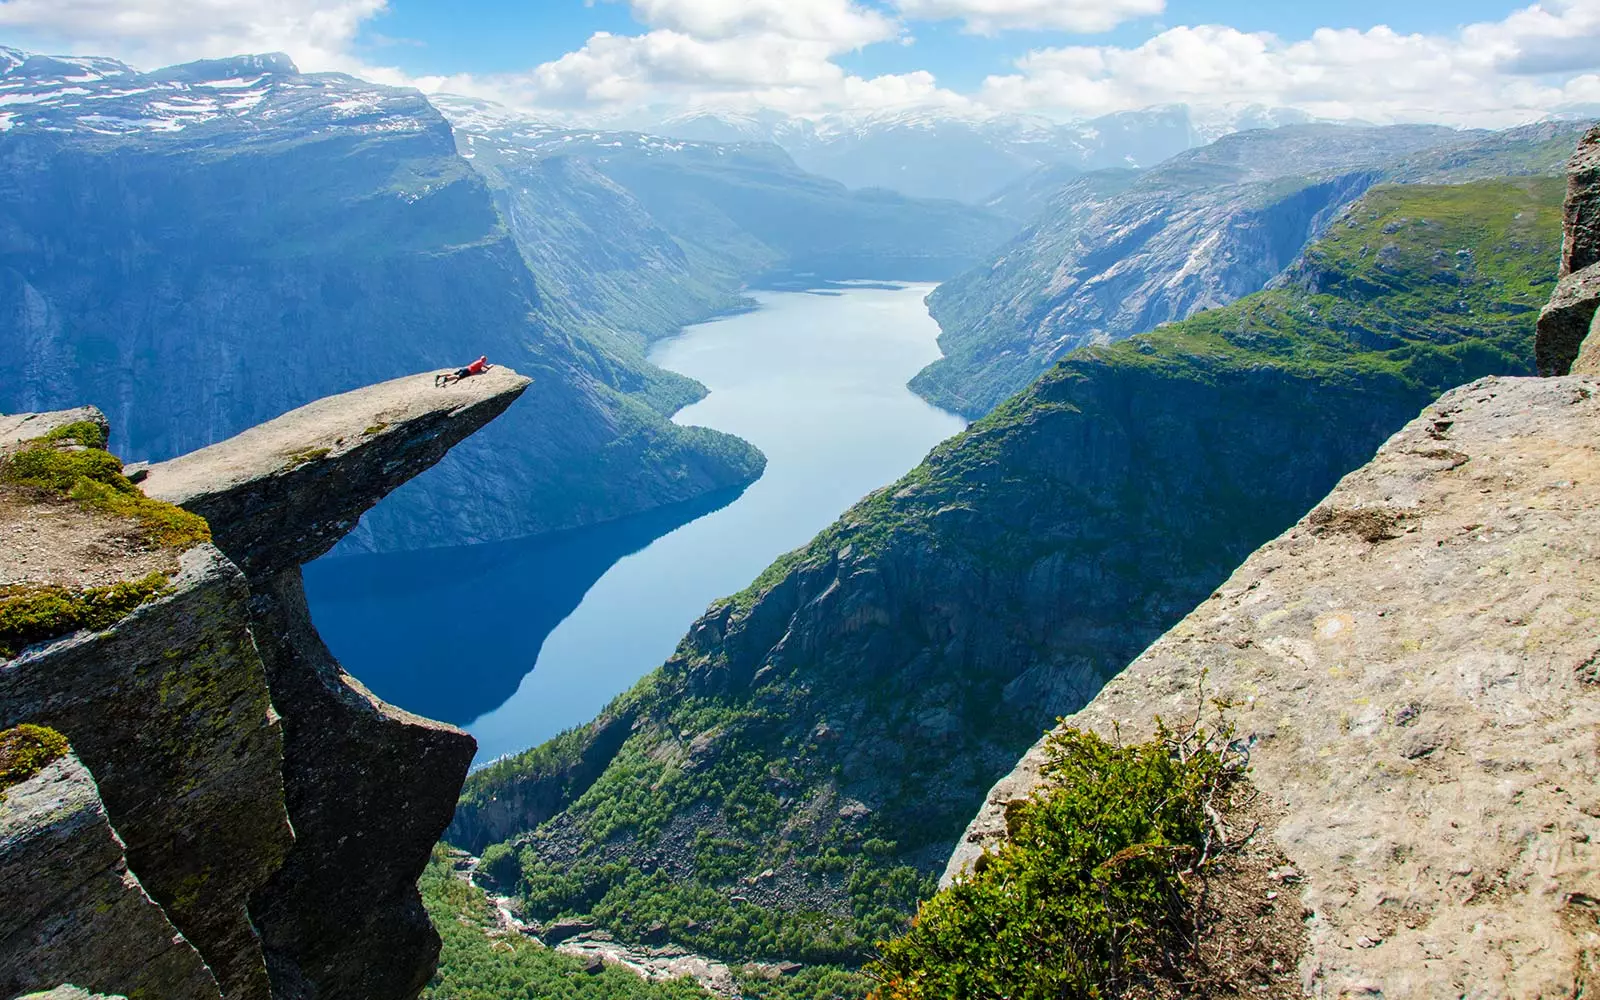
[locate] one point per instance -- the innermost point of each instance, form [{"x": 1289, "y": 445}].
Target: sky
[{"x": 1462, "y": 62}]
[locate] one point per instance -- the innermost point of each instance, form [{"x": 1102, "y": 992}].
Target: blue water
[{"x": 561, "y": 625}]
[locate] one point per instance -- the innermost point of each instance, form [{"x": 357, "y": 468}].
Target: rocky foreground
[
  {"x": 1418, "y": 665},
  {"x": 237, "y": 817}
]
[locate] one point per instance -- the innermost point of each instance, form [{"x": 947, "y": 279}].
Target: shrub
[
  {"x": 33, "y": 614},
  {"x": 1088, "y": 892}
]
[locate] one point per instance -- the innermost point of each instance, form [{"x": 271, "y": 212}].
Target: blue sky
[
  {"x": 448, "y": 37},
  {"x": 1467, "y": 62}
]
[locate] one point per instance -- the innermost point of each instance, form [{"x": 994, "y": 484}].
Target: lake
[{"x": 564, "y": 623}]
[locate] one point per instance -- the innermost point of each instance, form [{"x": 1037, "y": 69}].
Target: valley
[
  {"x": 827, "y": 459},
  {"x": 518, "y": 641}
]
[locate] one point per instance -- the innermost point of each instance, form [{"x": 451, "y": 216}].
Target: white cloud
[
  {"x": 1496, "y": 73},
  {"x": 151, "y": 33},
  {"x": 726, "y": 53},
  {"x": 841, "y": 24},
  {"x": 990, "y": 16},
  {"x": 787, "y": 55}
]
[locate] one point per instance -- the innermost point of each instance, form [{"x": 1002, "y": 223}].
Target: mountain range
[
  {"x": 943, "y": 154},
  {"x": 202, "y": 247},
  {"x": 1115, "y": 253}
]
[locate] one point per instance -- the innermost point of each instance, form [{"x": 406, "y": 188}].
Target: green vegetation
[
  {"x": 474, "y": 966},
  {"x": 838, "y": 721},
  {"x": 85, "y": 433},
  {"x": 93, "y": 477},
  {"x": 1093, "y": 888},
  {"x": 306, "y": 456},
  {"x": 1085, "y": 271},
  {"x": 25, "y": 750},
  {"x": 34, "y": 614}
]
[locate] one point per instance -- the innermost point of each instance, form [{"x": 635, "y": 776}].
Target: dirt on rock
[{"x": 47, "y": 540}]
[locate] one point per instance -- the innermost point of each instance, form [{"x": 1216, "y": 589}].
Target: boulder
[
  {"x": 70, "y": 910},
  {"x": 369, "y": 787},
  {"x": 1581, "y": 243},
  {"x": 1564, "y": 323}
]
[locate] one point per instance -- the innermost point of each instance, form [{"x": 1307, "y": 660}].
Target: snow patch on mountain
[{"x": 103, "y": 97}]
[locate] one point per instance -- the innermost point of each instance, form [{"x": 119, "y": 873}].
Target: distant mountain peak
[
  {"x": 232, "y": 68},
  {"x": 92, "y": 97}
]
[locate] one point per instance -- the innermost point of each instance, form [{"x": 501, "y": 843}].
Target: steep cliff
[
  {"x": 198, "y": 249},
  {"x": 1413, "y": 666},
  {"x": 270, "y": 809},
  {"x": 790, "y": 781},
  {"x": 1115, "y": 255}
]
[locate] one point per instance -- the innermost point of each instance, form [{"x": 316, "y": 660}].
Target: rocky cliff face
[
  {"x": 1115, "y": 255},
  {"x": 274, "y": 812},
  {"x": 817, "y": 742},
  {"x": 199, "y": 249},
  {"x": 1414, "y": 665},
  {"x": 1566, "y": 339}
]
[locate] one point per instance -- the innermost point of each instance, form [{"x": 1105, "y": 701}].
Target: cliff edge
[
  {"x": 1416, "y": 664},
  {"x": 273, "y": 812}
]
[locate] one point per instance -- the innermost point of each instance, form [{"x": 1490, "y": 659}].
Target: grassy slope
[{"x": 798, "y": 699}]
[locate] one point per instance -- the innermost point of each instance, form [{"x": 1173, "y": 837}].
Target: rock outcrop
[
  {"x": 275, "y": 811},
  {"x": 169, "y": 709},
  {"x": 1566, "y": 323},
  {"x": 77, "y": 913},
  {"x": 1415, "y": 662}
]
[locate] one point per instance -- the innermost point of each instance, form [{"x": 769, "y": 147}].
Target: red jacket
[{"x": 479, "y": 366}]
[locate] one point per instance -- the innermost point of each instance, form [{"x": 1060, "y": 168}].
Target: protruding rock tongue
[
  {"x": 369, "y": 787},
  {"x": 283, "y": 493}
]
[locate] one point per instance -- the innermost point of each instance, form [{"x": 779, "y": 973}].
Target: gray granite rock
[
  {"x": 170, "y": 710},
  {"x": 69, "y": 908},
  {"x": 1564, "y": 324}
]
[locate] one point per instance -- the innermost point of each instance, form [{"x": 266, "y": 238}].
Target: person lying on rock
[{"x": 478, "y": 367}]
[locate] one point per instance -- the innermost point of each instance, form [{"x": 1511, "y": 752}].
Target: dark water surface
[{"x": 519, "y": 640}]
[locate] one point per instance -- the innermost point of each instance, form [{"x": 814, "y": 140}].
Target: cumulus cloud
[
  {"x": 1496, "y": 73},
  {"x": 788, "y": 55},
  {"x": 779, "y": 54},
  {"x": 990, "y": 16}
]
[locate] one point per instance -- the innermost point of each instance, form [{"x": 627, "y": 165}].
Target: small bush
[
  {"x": 34, "y": 614},
  {"x": 25, "y": 751},
  {"x": 1088, "y": 892},
  {"x": 94, "y": 478}
]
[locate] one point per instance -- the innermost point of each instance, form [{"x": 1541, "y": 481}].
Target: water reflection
[{"x": 449, "y": 633}]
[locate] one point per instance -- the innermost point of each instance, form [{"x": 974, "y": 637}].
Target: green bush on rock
[{"x": 1091, "y": 891}]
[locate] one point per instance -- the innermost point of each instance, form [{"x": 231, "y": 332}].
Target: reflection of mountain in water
[{"x": 449, "y": 633}]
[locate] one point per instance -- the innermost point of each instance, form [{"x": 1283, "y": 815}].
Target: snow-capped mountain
[
  {"x": 944, "y": 154},
  {"x": 255, "y": 93}
]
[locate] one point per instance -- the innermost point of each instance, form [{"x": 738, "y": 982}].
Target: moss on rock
[
  {"x": 33, "y": 614},
  {"x": 25, "y": 750}
]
